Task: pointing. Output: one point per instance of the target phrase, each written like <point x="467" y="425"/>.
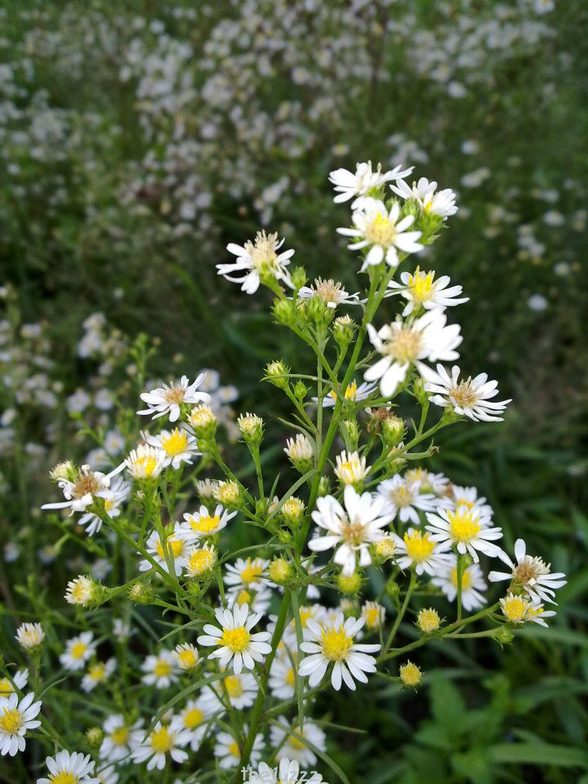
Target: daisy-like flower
<point x="403" y="344"/>
<point x="145" y="462"/>
<point x="30" y="636"/>
<point x="119" y="738"/>
<point x="160" y="670"/>
<point x="234" y="641"/>
<point x="351" y="469"/>
<point x="471" y="397"/>
<point x="349" y="185"/>
<point x="203" y="523"/>
<point x="192" y="720"/>
<point x="80" y="492"/>
<point x="330" y="292"/>
<point x="468" y="496"/>
<point x="241" y="691"/>
<point x="473" y="584"/>
<point x="530" y="573"/>
<point x="69" y="768"/>
<point x="245" y="573"/>
<point x="300" y="451"/>
<point x="330" y="641"/>
<point x="257" y="261"/>
<point x="381" y="230"/>
<point x="19" y="680"/>
<point x="427" y="482"/>
<point x="374" y="615"/>
<point x="16" y="717"/>
<point x="228" y="750"/>
<point x="292" y="741"/>
<point x="466" y="530"/>
<point x="82" y="591"/>
<point x="169" y="398"/>
<point x="258" y="598"/>
<point x="162" y="742"/>
<point x="422" y="291"/>
<point x="418" y="549"/>
<point x="430" y="200"/>
<point x="520" y="609"/>
<point x="186" y="656"/>
<point x="112" y="496"/>
<point x="282" y="680"/>
<point x="173" y="550"/>
<point x="287" y="772"/>
<point x="350" y="528"/>
<point x="404" y="499"/>
<point x="179" y="446"/>
<point x="77" y="651"/>
<point x="98" y="673"/>
<point x="353" y="393"/>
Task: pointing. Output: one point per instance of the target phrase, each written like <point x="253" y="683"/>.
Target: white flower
<point x="79" y="494"/>
<point x="145" y="462"/>
<point x="200" y="560"/>
<point x="119" y="738"/>
<point x="374" y="615"/>
<point x="161" y="742"/>
<point x="347" y="185"/>
<point x="299" y="449"/>
<point x="289" y="739"/>
<point x="282" y="680"/>
<point x="228" y="751"/>
<point x="172" y="551"/>
<point x="519" y="609"/>
<point x="258" y="598"/>
<point x="531" y="573"/>
<point x="403" y="344"/>
<point x="472" y="584"/>
<point x="179" y="446"/>
<point x="193" y="720"/>
<point x="16" y="717"/>
<point x="405" y="499"/>
<point x="203" y="523"/>
<point x="331" y="642"/>
<point x="257" y="260"/>
<point x="427" y="482"/>
<point x="113" y="496"/>
<point x="351" y="469"/>
<point x="168" y="398"/>
<point x="69" y="768"/>
<point x="466" y="529"/>
<point x="468" y="496"/>
<point x="98" y="673"/>
<point x="429" y="199"/>
<point x="287" y="772"/>
<point x="351" y="528"/>
<point x="19" y="679"/>
<point x="77" y="651"/>
<point x="186" y="656"/>
<point x="30" y="635"/>
<point x="330" y="292"/>
<point x="245" y="573"/>
<point x="234" y="640"/>
<point x="381" y="231"/>
<point x="418" y="549"/>
<point x="423" y="291"/>
<point x="353" y="393"/>
<point x="470" y="398"/>
<point x="81" y="591"/>
<point x="241" y="691"/>
<point x="160" y="670"/>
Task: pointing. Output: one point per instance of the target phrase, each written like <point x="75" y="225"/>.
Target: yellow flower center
<point x="233" y="686"/>
<point x="402" y="495"/>
<point x="193" y="718"/>
<point x="463" y="526"/>
<point x="529" y="570"/>
<point x="174" y="394"/>
<point x="372" y="617"/>
<point x="466" y="579"/>
<point x="162" y="668"/>
<point x="200" y="561"/>
<point x="145" y="465"/>
<point x="234" y="749"/>
<point x="78" y="649"/>
<point x="205" y="524"/>
<point x="464" y="502"/>
<point x="419" y="547"/>
<point x="381" y="231"/>
<point x="514" y="609"/>
<point x="251" y="572"/>
<point x="173" y="546"/>
<point x="79" y="591"/>
<point x="11" y="721"/>
<point x="97" y="672"/>
<point x="187" y="658"/>
<point x="64" y="777"/>
<point x="351" y="391"/>
<point x="5" y="687"/>
<point x="120" y="736"/>
<point x="295" y="742"/>
<point x="464" y="395"/>
<point x="336" y="643"/>
<point x="236" y="639"/>
<point x="421" y="285"/>
<point x="86" y="483"/>
<point x="291" y="677"/>
<point x="305" y="614"/>
<point x="405" y="344"/>
<point x="161" y="740"/>
<point x="243" y="597"/>
<point x="175" y="443"/>
<point x="353" y="533"/>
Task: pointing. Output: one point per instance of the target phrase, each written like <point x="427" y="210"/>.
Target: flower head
<point x="519" y="609"/>
<point x="465" y="529"/>
<point x="405" y="499"/>
<point x="162" y="742"/>
<point x="430" y="200"/>
<point x="77" y="651"/>
<point x="169" y="398"/>
<point x="234" y="640"/>
<point x="365" y="180"/>
<point x="257" y="262"/>
<point x="69" y="768"/>
<point x="530" y="573"/>
<point x="422" y="291"/>
<point x="30" y="635"/>
<point x="16" y="717"/>
<point x="471" y="397"/>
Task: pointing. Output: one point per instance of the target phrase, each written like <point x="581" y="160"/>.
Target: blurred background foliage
<point x="137" y="138"/>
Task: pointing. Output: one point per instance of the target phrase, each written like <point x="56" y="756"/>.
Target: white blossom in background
<point x="348" y="185"/>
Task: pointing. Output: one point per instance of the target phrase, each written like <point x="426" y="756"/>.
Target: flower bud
<point x="323" y="488"/>
<point x="141" y="593"/>
<point x="277" y="373"/>
<point x="65" y="470"/>
<point x="410" y="675"/>
<point x="94" y="736"/>
<point x="428" y="620"/>
<point x="349" y="584"/>
<point x="228" y="494"/>
<point x="350" y="430"/>
<point x="351" y="469"/>
<point x="298" y="277"/>
<point x="251" y="428"/>
<point x="279" y="571"/>
<point x="301" y="453"/>
<point x="393" y="430"/>
<point x="383" y="550"/>
<point x="84" y="592"/>
<point x="285" y="312"/>
<point x="343" y="330"/>
<point x="300" y="390"/>
<point x="503" y="635"/>
<point x="293" y="511"/>
<point x="203" y="421"/>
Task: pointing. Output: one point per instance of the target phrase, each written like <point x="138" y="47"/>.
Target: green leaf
<point x="539" y="754"/>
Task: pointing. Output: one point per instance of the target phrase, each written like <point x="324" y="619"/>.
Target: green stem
<point x="402" y="611"/>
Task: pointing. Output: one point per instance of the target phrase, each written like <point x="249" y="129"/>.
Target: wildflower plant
<point x="213" y="662"/>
